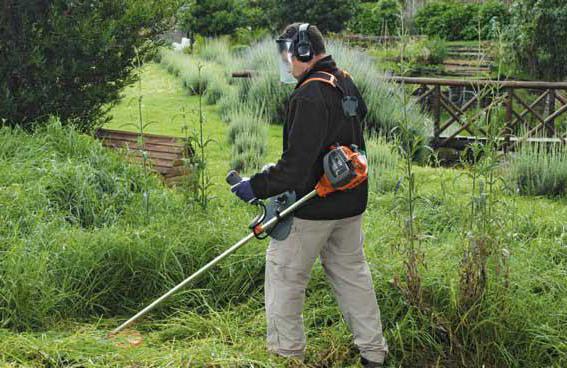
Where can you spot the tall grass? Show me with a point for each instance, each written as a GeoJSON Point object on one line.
{"type": "Point", "coordinates": [537, 169]}
{"type": "Point", "coordinates": [75, 241]}
{"type": "Point", "coordinates": [53, 270]}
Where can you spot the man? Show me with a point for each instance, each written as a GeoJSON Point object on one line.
{"type": "Point", "coordinates": [329, 228]}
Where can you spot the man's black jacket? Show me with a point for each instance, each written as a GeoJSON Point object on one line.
{"type": "Point", "coordinates": [315, 121]}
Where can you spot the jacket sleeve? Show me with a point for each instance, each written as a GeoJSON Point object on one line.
{"type": "Point", "coordinates": [306, 134]}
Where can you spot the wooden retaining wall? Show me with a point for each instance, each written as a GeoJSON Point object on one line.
{"type": "Point", "coordinates": [166, 154]}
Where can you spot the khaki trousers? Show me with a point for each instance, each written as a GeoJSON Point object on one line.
{"type": "Point", "coordinates": [338, 243]}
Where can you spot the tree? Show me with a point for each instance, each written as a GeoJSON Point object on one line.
{"type": "Point", "coordinates": [211, 17]}
{"type": "Point", "coordinates": [72, 58]}
{"type": "Point", "coordinates": [327, 15]}
{"type": "Point", "coordinates": [382, 17]}
{"type": "Point", "coordinates": [536, 37]}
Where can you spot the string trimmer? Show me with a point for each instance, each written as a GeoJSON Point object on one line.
{"type": "Point", "coordinates": [344, 169]}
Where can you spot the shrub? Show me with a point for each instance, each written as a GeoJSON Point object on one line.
{"type": "Point", "coordinates": [248, 135]}
{"type": "Point", "coordinates": [454, 20]}
{"type": "Point", "coordinates": [213, 80]}
{"type": "Point", "coordinates": [426, 51]}
{"type": "Point", "coordinates": [377, 18]}
{"type": "Point", "coordinates": [210, 17]}
{"type": "Point", "coordinates": [327, 15]}
{"type": "Point", "coordinates": [383, 164]}
{"type": "Point", "coordinates": [537, 170]}
{"type": "Point", "coordinates": [216, 50]}
{"type": "Point", "coordinates": [266, 90]}
{"type": "Point", "coordinates": [535, 37]}
{"type": "Point", "coordinates": [53, 63]}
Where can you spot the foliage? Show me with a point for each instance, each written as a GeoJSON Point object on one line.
{"type": "Point", "coordinates": [386, 109]}
{"type": "Point", "coordinates": [454, 20]}
{"type": "Point", "coordinates": [327, 15]}
{"type": "Point", "coordinates": [537, 29]}
{"type": "Point", "coordinates": [383, 164]}
{"type": "Point", "coordinates": [427, 51]}
{"type": "Point", "coordinates": [537, 170]}
{"type": "Point", "coordinates": [377, 18]}
{"type": "Point", "coordinates": [201, 179]}
{"type": "Point", "coordinates": [79, 283]}
{"type": "Point", "coordinates": [210, 17]}
{"type": "Point", "coordinates": [51, 268]}
{"type": "Point", "coordinates": [212, 82]}
{"type": "Point", "coordinates": [247, 133]}
{"type": "Point", "coordinates": [52, 63]}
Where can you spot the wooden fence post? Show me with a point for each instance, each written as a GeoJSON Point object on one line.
{"type": "Point", "coordinates": [437, 112]}
{"type": "Point", "coordinates": [508, 118]}
{"type": "Point", "coordinates": [550, 126]}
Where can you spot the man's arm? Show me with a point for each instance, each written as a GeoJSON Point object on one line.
{"type": "Point", "coordinates": [305, 140]}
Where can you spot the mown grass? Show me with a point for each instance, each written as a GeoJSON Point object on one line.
{"type": "Point", "coordinates": [66, 284]}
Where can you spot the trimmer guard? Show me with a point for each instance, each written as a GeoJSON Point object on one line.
{"type": "Point", "coordinates": [276, 205]}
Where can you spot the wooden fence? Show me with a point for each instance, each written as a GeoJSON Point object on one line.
{"type": "Point", "coordinates": [530, 110]}
{"type": "Point", "coordinates": [166, 154]}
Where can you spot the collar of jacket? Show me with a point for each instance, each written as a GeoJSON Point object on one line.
{"type": "Point", "coordinates": [326, 64]}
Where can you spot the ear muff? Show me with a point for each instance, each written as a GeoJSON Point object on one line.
{"type": "Point", "coordinates": [303, 50]}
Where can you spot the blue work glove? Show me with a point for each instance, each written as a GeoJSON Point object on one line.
{"type": "Point", "coordinates": [243, 190]}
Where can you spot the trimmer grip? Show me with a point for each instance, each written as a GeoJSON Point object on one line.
{"type": "Point", "coordinates": [233, 177]}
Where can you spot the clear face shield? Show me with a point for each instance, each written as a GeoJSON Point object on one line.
{"type": "Point", "coordinates": [284, 56]}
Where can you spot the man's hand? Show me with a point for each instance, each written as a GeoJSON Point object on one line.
{"type": "Point", "coordinates": [243, 190]}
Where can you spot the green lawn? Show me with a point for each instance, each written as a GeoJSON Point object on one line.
{"type": "Point", "coordinates": [164, 101]}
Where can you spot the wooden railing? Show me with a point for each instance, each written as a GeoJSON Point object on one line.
{"type": "Point", "coordinates": [530, 109]}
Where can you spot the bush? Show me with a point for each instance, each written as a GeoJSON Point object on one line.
{"type": "Point", "coordinates": [248, 135]}
{"type": "Point", "coordinates": [327, 15]}
{"type": "Point", "coordinates": [458, 21]}
{"type": "Point", "coordinates": [383, 165]}
{"type": "Point", "coordinates": [536, 36]}
{"type": "Point", "coordinates": [377, 18]}
{"type": "Point", "coordinates": [427, 51]}
{"type": "Point", "coordinates": [210, 17]}
{"type": "Point", "coordinates": [537, 170]}
{"type": "Point", "coordinates": [53, 63]}
{"type": "Point", "coordinates": [212, 81]}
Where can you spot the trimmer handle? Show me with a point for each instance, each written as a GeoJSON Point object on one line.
{"type": "Point", "coordinates": [233, 178]}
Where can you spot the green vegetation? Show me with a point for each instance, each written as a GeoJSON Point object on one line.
{"type": "Point", "coordinates": [456, 20]}
{"type": "Point", "coordinates": [263, 96]}
{"type": "Point", "coordinates": [421, 56]}
{"type": "Point", "coordinates": [52, 63]}
{"type": "Point", "coordinates": [536, 30]}
{"type": "Point", "coordinates": [380, 18]}
{"type": "Point", "coordinates": [78, 279]}
{"type": "Point", "coordinates": [539, 170]}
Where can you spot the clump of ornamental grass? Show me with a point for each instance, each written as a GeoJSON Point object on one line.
{"type": "Point", "coordinates": [386, 110]}
{"type": "Point", "coordinates": [211, 82]}
{"type": "Point", "coordinates": [537, 169]}
{"type": "Point", "coordinates": [216, 50]}
{"type": "Point", "coordinates": [248, 135]}
{"type": "Point", "coordinates": [383, 163]}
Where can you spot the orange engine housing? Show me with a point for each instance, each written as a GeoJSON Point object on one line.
{"type": "Point", "coordinates": [360, 171]}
